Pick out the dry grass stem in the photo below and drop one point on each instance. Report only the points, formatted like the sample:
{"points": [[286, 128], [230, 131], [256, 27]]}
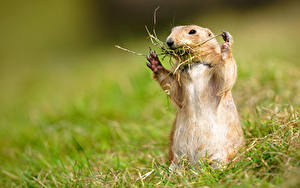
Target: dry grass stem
{"points": [[130, 51]]}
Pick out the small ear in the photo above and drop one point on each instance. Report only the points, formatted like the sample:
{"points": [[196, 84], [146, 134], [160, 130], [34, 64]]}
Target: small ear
{"points": [[209, 33]]}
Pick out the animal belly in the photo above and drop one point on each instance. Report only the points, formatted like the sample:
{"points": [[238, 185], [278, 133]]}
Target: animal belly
{"points": [[197, 139], [201, 131]]}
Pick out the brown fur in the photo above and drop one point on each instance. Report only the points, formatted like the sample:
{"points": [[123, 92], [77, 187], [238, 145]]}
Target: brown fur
{"points": [[207, 122]]}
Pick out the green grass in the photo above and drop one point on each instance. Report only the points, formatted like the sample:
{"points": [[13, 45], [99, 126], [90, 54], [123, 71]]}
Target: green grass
{"points": [[103, 121]]}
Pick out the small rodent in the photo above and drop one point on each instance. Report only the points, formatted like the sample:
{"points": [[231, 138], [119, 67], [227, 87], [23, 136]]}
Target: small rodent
{"points": [[207, 123]]}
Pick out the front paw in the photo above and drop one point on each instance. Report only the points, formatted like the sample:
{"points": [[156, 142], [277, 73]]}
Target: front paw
{"points": [[154, 63], [228, 41], [226, 36]]}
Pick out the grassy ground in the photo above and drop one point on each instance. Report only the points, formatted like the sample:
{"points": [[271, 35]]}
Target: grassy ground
{"points": [[100, 120]]}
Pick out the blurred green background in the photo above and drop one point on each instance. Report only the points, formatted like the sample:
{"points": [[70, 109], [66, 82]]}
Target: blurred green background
{"points": [[64, 83]]}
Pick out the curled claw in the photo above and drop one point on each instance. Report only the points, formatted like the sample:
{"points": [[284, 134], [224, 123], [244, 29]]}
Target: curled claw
{"points": [[153, 54], [226, 36], [150, 50], [148, 58], [149, 65]]}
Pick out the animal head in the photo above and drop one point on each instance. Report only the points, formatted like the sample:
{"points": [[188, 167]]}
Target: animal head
{"points": [[197, 40]]}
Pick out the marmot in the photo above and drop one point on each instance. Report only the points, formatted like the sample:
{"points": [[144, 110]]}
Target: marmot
{"points": [[207, 123]]}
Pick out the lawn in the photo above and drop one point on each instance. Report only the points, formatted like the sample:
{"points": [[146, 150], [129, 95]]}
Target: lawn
{"points": [[98, 119]]}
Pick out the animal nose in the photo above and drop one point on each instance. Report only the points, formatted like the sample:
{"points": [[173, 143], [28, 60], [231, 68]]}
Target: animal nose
{"points": [[170, 42]]}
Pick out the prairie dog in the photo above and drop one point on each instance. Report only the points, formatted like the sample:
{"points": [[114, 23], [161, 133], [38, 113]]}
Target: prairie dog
{"points": [[207, 123]]}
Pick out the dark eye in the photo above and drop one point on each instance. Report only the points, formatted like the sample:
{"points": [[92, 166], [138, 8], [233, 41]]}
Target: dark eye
{"points": [[192, 31], [209, 34]]}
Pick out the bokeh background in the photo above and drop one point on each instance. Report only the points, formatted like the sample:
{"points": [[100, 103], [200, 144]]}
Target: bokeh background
{"points": [[62, 79]]}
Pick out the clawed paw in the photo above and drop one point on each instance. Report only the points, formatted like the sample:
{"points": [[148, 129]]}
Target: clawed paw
{"points": [[226, 36], [228, 41], [154, 63]]}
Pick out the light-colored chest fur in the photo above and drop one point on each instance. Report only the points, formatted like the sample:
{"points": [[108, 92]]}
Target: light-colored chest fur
{"points": [[199, 130]]}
